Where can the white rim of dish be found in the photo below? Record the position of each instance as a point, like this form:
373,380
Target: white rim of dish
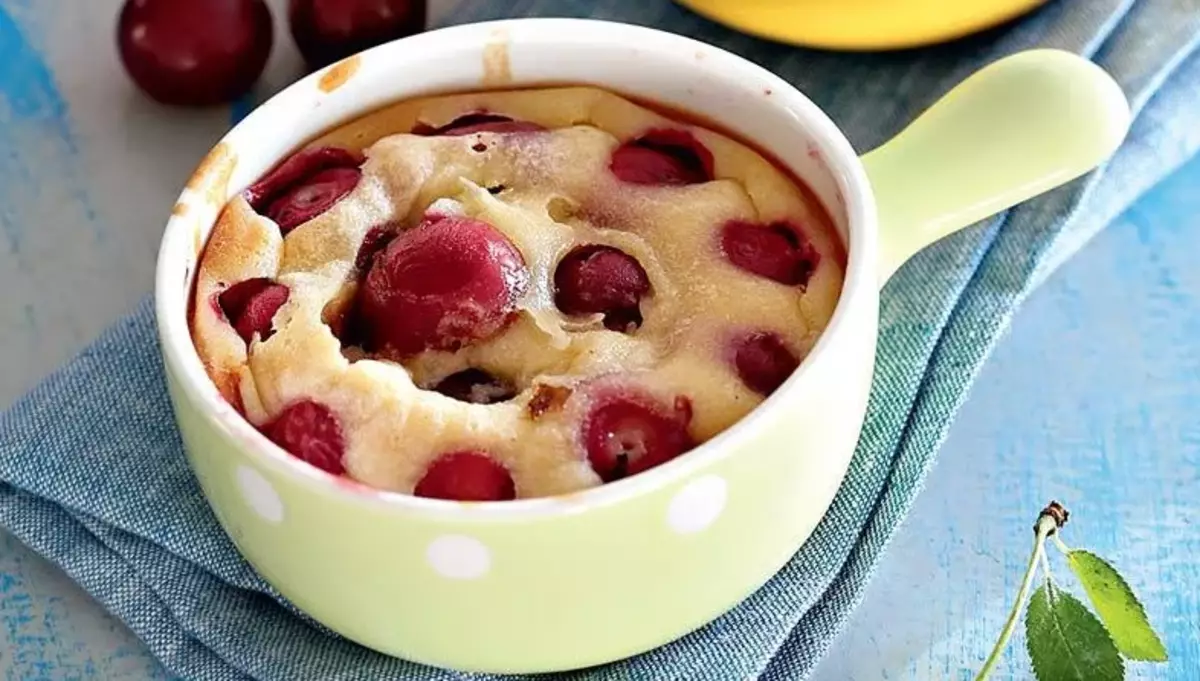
840,160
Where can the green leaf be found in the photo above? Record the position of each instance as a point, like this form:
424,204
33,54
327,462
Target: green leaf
1118,608
1065,640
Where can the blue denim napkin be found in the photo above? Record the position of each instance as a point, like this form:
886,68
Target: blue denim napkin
93,478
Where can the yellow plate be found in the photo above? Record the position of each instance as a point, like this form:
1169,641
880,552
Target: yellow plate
860,24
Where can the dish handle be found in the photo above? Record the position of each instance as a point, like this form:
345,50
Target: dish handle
1014,129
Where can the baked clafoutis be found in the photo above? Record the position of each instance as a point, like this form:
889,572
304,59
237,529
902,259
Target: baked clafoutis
511,294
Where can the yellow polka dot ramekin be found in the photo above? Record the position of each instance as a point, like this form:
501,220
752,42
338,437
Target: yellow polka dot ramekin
561,583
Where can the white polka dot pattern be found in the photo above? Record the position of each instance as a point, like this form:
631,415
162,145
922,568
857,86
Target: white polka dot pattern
455,556
698,505
259,495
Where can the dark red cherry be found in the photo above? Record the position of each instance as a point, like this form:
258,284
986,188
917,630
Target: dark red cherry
315,196
763,361
601,279
375,240
777,251
250,306
305,185
310,432
466,476
326,31
663,157
471,123
445,283
625,433
475,386
194,52
296,168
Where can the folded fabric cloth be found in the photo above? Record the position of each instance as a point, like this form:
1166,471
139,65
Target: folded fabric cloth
92,475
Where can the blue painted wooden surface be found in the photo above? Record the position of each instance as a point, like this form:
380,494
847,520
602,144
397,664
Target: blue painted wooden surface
1090,400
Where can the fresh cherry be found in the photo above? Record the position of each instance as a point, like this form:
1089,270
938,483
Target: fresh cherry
663,157
310,431
777,251
194,52
763,361
305,185
466,476
475,386
250,306
480,121
326,31
625,433
601,279
445,283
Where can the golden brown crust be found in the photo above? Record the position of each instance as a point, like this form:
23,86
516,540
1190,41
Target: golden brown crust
212,175
547,398
242,246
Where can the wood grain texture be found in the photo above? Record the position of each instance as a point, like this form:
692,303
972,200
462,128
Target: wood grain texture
50,629
1090,400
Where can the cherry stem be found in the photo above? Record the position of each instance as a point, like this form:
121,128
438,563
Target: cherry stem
1047,525
1062,546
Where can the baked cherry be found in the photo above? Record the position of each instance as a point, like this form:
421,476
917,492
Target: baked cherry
375,240
777,251
295,168
466,476
447,282
625,433
480,121
604,280
328,30
250,306
305,185
315,196
475,386
663,157
763,361
310,432
341,312
194,52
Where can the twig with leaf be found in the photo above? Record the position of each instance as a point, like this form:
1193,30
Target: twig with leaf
1065,641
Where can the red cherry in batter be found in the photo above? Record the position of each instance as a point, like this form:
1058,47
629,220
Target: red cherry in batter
310,432
194,52
315,196
374,241
625,433
663,157
763,361
466,476
305,185
250,306
602,280
441,285
471,123
326,31
777,251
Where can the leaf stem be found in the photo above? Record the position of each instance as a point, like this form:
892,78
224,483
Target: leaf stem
1046,525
